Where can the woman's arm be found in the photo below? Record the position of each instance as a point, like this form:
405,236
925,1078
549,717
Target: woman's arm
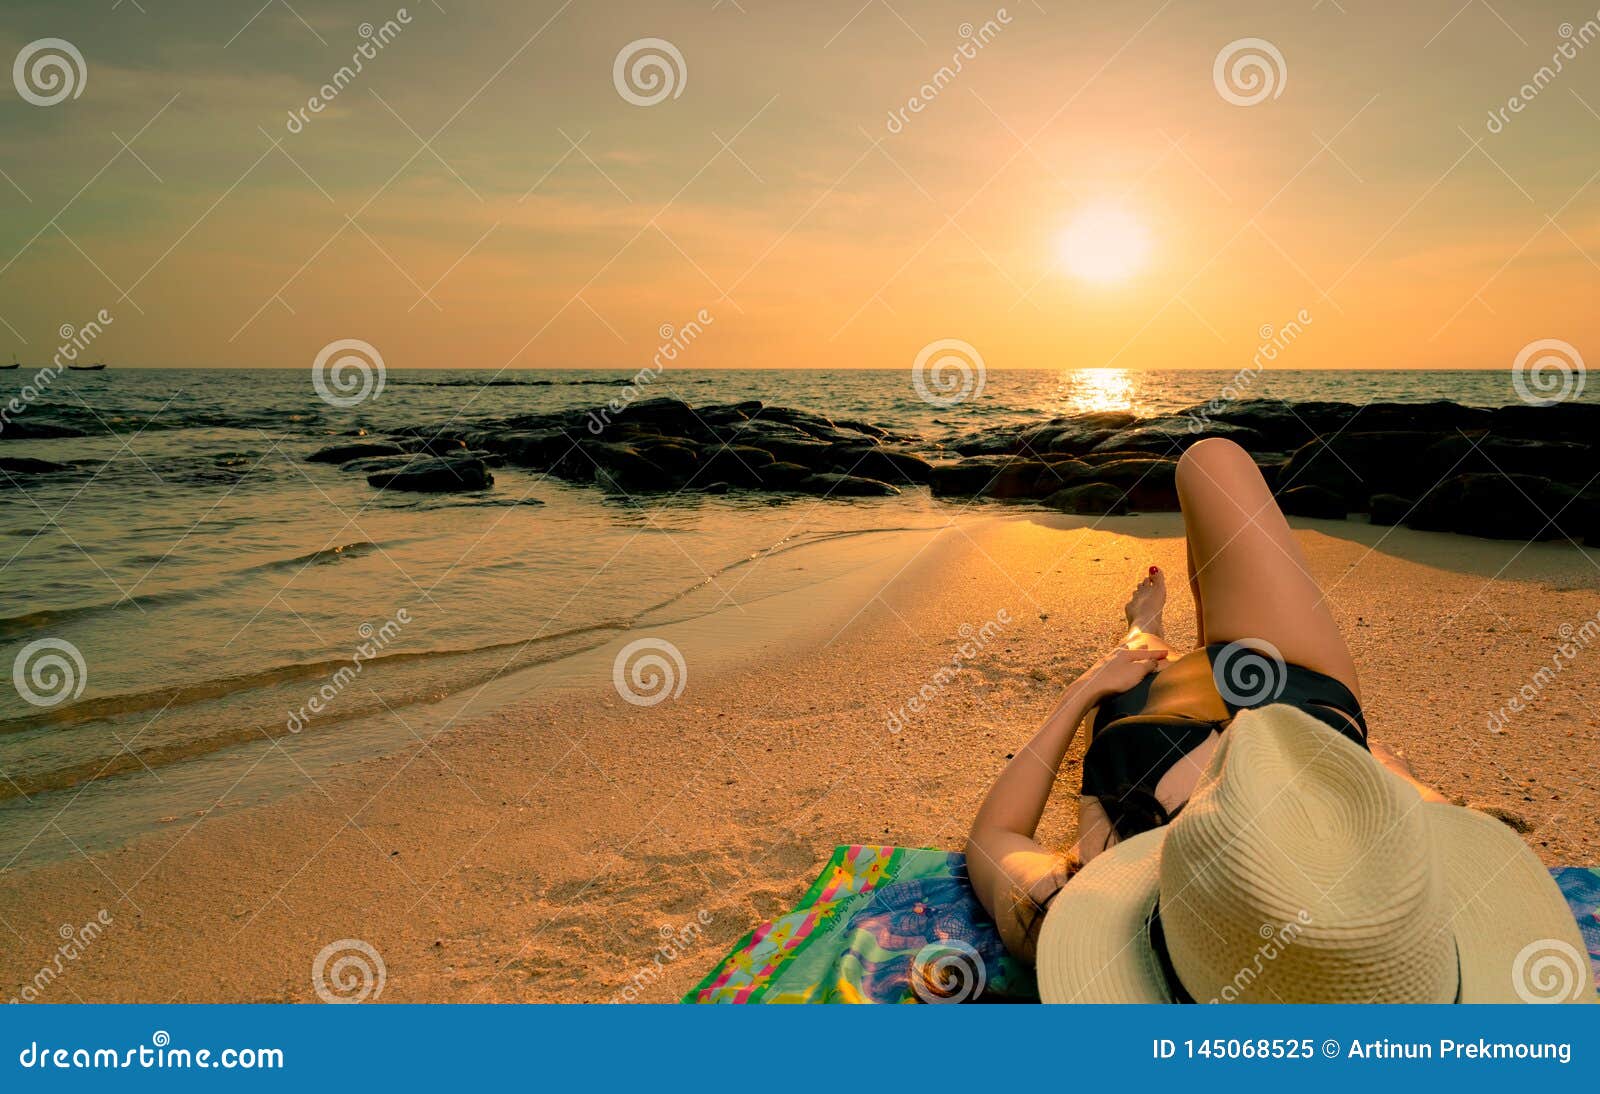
1399,766
1008,868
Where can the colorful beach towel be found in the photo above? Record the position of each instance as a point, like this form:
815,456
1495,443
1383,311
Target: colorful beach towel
902,925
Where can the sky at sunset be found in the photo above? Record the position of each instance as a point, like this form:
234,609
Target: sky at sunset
1082,193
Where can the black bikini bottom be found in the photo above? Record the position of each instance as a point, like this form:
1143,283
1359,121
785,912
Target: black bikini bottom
1142,733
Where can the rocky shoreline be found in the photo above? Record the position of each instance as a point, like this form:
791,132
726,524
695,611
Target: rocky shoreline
1514,472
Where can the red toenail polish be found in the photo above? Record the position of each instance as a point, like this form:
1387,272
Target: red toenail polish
1155,569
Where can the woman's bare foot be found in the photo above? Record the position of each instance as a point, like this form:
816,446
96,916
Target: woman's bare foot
1145,605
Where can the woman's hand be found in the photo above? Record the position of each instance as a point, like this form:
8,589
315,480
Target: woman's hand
1118,671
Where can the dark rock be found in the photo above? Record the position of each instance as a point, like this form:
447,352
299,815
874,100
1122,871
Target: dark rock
1388,509
621,469
991,476
1170,436
814,424
540,449
1000,441
369,464
737,464
22,465
358,450
844,486
678,461
727,413
1560,461
1567,421
435,474
1439,417
437,446
1074,435
1313,501
863,427
1150,483
1494,506
781,475
1096,498
888,464
25,429
1284,425
1357,465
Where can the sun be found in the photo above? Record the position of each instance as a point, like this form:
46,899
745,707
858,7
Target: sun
1103,244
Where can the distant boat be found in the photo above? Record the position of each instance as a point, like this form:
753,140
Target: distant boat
96,367
14,364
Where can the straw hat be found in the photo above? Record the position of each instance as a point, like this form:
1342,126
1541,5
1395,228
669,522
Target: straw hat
1302,871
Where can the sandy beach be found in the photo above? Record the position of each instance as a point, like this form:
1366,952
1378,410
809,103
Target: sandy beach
540,852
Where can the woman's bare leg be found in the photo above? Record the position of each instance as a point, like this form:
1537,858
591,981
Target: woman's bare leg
1146,627
1247,570
1194,593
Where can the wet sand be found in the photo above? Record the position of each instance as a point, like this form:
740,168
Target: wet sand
543,852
